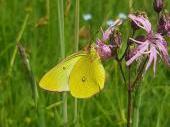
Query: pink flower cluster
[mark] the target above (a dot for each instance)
(154, 44)
(104, 50)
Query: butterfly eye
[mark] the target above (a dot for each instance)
(83, 79)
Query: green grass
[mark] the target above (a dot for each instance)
(42, 44)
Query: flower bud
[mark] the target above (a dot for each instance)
(115, 39)
(158, 5)
(164, 25)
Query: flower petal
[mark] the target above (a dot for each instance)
(141, 21)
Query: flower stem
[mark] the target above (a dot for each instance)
(138, 97)
(137, 103)
(127, 45)
(129, 106)
(122, 72)
(139, 75)
(158, 18)
(62, 47)
(129, 88)
(129, 99)
(76, 49)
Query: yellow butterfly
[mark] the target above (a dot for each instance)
(81, 73)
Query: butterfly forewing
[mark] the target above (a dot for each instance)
(57, 78)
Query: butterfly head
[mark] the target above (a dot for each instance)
(92, 52)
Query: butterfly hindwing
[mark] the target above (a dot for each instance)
(87, 77)
(57, 78)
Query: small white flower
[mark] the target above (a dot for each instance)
(87, 17)
(122, 16)
(110, 23)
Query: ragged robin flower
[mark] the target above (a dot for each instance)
(105, 50)
(153, 46)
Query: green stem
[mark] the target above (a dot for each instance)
(76, 49)
(161, 108)
(61, 27)
(77, 25)
(139, 74)
(48, 8)
(122, 72)
(137, 103)
(62, 47)
(30, 73)
(75, 111)
(17, 41)
(131, 5)
(129, 98)
(137, 89)
(65, 109)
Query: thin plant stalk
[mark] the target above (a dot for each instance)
(48, 8)
(76, 49)
(129, 99)
(138, 92)
(62, 47)
(77, 26)
(161, 108)
(30, 73)
(17, 41)
(131, 88)
(131, 5)
(137, 103)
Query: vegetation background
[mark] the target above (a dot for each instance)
(41, 42)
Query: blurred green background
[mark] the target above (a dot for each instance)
(41, 42)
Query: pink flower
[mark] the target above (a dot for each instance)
(108, 32)
(104, 51)
(141, 21)
(153, 46)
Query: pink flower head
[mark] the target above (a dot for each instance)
(152, 46)
(141, 22)
(108, 32)
(104, 51)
